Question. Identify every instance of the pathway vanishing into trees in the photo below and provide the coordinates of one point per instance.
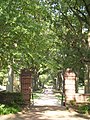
(46, 108)
(47, 99)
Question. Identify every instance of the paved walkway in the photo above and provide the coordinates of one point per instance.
(47, 100)
(46, 108)
(46, 113)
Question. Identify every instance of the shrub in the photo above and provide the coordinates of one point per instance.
(5, 109)
(10, 98)
(84, 109)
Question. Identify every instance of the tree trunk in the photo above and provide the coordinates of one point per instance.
(10, 80)
(59, 81)
(87, 78)
(35, 80)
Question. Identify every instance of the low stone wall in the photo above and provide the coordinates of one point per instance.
(81, 98)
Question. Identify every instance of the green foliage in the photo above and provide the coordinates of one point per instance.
(36, 95)
(69, 18)
(85, 109)
(21, 33)
(4, 109)
(40, 33)
(10, 103)
(59, 97)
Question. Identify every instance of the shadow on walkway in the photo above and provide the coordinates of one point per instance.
(46, 113)
(46, 108)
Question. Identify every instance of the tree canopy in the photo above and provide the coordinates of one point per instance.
(44, 34)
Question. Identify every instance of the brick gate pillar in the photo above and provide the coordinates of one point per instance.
(26, 83)
(70, 79)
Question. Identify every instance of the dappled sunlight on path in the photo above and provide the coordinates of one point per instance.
(47, 107)
(47, 113)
